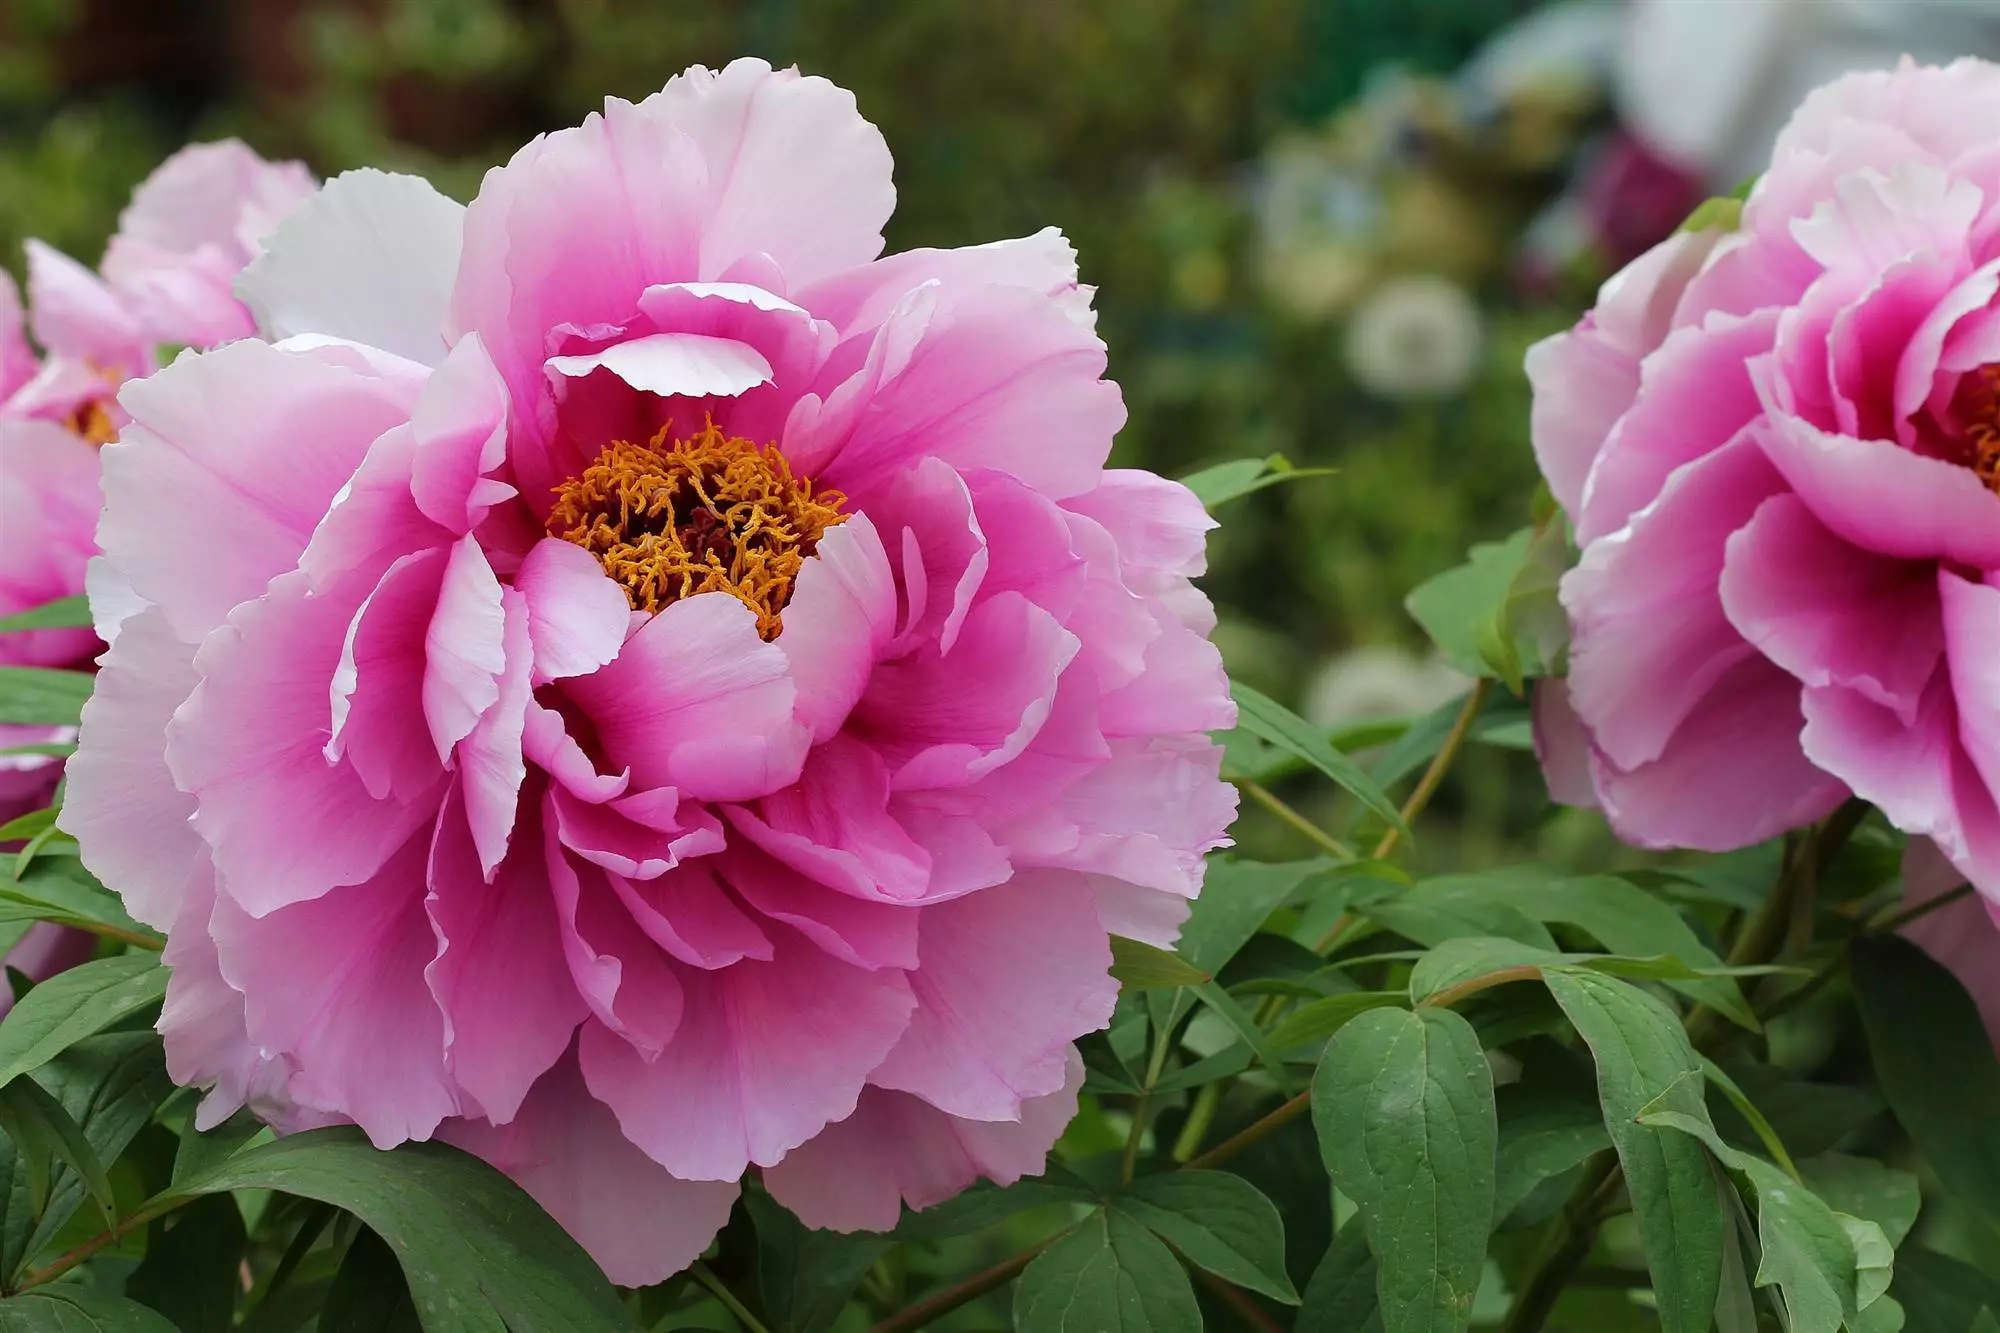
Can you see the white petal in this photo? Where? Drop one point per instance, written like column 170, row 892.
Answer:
column 370, row 258
column 692, row 364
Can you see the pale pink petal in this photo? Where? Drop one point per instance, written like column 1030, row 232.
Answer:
column 74, row 314
column 838, row 624
column 49, row 501
column 361, row 1028
column 1010, row 977
column 767, row 1055
column 862, row 297
column 378, row 684
column 1964, row 936
column 464, row 648
column 621, row 973
column 639, row 1223
column 122, row 804
column 458, row 427
column 897, row 1149
column 17, row 358
column 1562, row 744
column 214, row 447
column 492, row 760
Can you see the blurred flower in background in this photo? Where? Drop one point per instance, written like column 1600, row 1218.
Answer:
column 1414, row 337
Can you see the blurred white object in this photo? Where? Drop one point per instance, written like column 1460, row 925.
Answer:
column 1575, row 43
column 1416, row 336
column 1378, row 681
column 1709, row 83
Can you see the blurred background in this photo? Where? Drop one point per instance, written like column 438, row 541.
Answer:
column 1326, row 229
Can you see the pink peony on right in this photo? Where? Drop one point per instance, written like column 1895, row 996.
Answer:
column 1779, row 445
column 634, row 682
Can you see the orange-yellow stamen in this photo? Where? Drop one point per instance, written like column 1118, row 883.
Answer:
column 91, row 422
column 708, row 513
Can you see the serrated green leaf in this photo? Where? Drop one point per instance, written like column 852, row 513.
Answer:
column 1110, row 1275
column 1137, row 965
column 1403, row 1106
column 1920, row 1023
column 62, row 613
column 42, row 696
column 804, row 1276
column 1220, row 1222
column 1642, row 1057
column 190, row 1273
column 72, row 1308
column 1218, row 485
column 478, row 1253
column 1271, row 721
column 1341, row 1296
column 1316, row 1020
column 76, row 1004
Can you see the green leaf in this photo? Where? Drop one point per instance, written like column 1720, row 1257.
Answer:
column 1624, row 919
column 1812, row 1254
column 1735, row 1307
column 1543, row 1133
column 478, row 1253
column 984, row 1206
column 1465, row 611
column 1471, row 957
column 1341, row 1296
column 1246, row 1027
column 1137, row 965
column 38, row 1125
column 1941, row 1294
column 1503, row 720
column 1271, row 721
column 1110, row 1275
column 1921, row 1024
column 28, row 825
column 1316, row 1020
column 76, row 1004
column 1431, row 919
column 1403, row 1106
column 72, row 1308
column 805, row 1277
column 59, row 889
column 368, row 1293
column 1775, row 1146
column 1864, row 1187
column 1221, row 1222
column 1985, row 1322
column 1218, row 485
column 62, row 613
column 190, row 1270
column 42, row 696
column 1643, row 1057
column 108, row 1084
column 202, row 1150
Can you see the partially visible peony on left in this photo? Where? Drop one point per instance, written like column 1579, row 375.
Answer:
column 647, row 693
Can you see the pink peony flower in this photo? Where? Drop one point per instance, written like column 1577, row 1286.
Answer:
column 1964, row 936
column 649, row 688
column 191, row 227
column 1780, row 448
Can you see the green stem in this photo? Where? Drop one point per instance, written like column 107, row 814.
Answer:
column 1200, row 1116
column 720, row 1290
column 1564, row 1248
column 1252, row 1134
column 1129, row 1164
column 1263, row 796
column 966, row 1292
column 1895, row 921
column 1440, row 764
column 105, row 1239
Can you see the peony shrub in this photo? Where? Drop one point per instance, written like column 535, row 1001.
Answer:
column 641, row 743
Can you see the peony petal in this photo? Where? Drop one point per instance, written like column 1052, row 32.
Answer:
column 75, row 315
column 1964, row 936
column 863, row 932
column 1831, row 614
column 639, row 1223
column 130, row 821
column 630, row 988
column 863, row 296
column 896, row 1149
column 690, row 365
column 499, row 978
column 458, row 428
column 838, row 624
column 49, row 500
column 767, row 1055
column 1562, row 745
column 214, row 447
column 369, row 258
column 696, row 701
column 688, row 913
column 362, row 1030
column 1011, row 976
column 378, row 682
column 577, row 617
column 465, row 651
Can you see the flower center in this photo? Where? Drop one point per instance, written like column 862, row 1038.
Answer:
column 708, row 513
column 1979, row 399
column 91, row 422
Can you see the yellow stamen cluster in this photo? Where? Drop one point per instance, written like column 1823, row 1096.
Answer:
column 91, row 422
column 708, row 513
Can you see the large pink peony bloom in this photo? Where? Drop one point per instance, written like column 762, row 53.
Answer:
column 648, row 687
column 1780, row 448
column 191, row 227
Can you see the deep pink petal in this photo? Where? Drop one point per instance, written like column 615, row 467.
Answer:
column 576, row 615
column 862, row 932
column 838, row 624
column 1829, row 613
